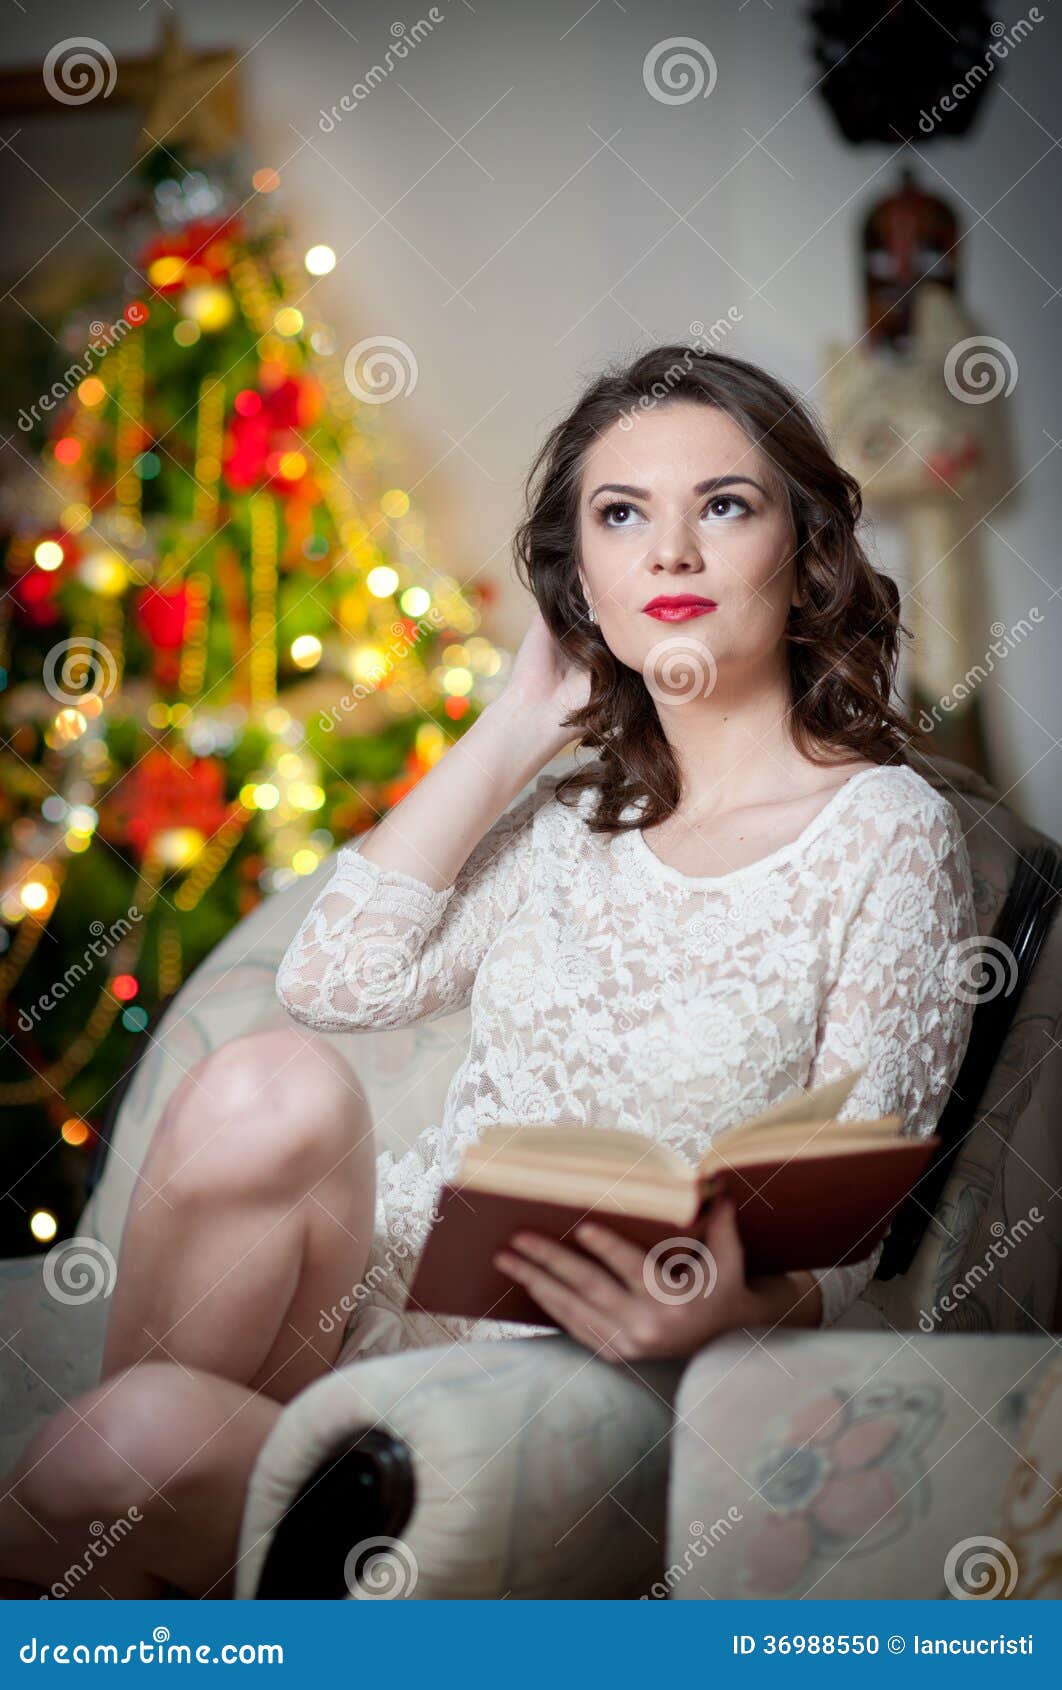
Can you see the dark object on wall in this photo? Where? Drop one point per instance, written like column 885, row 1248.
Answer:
column 885, row 66
column 909, row 237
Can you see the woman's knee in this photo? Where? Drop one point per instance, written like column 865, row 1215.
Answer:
column 146, row 1443
column 109, row 1453
column 273, row 1109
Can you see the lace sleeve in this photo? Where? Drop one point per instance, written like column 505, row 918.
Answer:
column 380, row 948
column 895, row 1008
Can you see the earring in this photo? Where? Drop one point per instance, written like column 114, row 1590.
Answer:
column 590, row 617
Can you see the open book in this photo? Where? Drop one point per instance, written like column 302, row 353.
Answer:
column 811, row 1191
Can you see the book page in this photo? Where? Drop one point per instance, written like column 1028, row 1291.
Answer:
column 808, row 1108
column 569, row 1146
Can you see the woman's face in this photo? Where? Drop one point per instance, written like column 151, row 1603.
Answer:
column 681, row 504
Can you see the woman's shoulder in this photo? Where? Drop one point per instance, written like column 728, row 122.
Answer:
column 904, row 824
column 897, row 797
column 538, row 805
column 555, row 812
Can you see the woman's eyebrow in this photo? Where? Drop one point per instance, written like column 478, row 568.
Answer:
column 710, row 486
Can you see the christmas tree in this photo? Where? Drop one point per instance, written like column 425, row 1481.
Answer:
column 226, row 648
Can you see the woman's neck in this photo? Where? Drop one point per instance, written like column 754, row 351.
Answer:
column 734, row 747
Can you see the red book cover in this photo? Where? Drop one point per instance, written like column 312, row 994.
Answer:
column 795, row 1212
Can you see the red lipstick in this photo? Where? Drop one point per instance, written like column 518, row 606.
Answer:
column 678, row 607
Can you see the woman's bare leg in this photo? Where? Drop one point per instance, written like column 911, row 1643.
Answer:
column 139, row 1483
column 252, row 1213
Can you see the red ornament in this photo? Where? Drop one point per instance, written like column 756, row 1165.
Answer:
column 205, row 250
column 951, row 466
column 34, row 594
column 394, row 791
column 165, row 791
column 36, row 591
column 263, row 439
column 163, row 615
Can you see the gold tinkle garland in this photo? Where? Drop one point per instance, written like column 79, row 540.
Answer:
column 264, row 543
column 81, row 1049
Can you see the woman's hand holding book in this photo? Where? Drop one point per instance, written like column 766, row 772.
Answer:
column 667, row 1302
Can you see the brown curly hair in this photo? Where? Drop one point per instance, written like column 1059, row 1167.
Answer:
column 842, row 640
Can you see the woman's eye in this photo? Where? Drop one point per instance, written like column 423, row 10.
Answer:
column 620, row 512
column 725, row 507
column 727, row 499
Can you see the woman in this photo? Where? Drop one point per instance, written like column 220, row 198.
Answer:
column 745, row 891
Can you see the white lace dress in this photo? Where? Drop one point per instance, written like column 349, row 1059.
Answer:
column 609, row 988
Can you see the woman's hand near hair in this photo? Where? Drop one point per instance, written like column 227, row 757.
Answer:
column 546, row 683
column 442, row 819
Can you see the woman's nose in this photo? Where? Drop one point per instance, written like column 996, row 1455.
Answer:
column 676, row 547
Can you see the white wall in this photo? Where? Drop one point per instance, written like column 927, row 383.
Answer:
column 562, row 231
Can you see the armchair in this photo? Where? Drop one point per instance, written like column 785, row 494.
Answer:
column 530, row 1469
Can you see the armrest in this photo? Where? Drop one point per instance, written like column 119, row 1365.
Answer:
column 522, row 1468
column 361, row 1493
